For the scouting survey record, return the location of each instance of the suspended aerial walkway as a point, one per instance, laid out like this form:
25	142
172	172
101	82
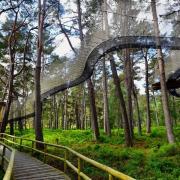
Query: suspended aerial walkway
79	70
22	166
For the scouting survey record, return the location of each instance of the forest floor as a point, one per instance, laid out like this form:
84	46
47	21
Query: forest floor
150	158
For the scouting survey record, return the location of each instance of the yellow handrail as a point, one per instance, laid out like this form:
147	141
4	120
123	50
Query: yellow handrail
9	171
111	172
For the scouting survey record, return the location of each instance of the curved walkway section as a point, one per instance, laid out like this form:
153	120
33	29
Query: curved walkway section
117	43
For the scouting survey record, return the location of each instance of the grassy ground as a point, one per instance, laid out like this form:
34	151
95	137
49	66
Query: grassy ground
150	158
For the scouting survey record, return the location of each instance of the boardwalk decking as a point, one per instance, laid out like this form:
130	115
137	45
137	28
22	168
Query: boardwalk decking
27	167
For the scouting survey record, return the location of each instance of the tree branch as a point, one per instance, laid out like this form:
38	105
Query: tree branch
64	31
25	51
170	13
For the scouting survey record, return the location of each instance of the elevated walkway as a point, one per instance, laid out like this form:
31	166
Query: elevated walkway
22	166
29	168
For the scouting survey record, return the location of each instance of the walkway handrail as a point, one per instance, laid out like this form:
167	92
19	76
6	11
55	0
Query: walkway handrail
78	170
9	170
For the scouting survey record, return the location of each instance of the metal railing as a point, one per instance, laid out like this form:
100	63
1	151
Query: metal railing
18	141
4	157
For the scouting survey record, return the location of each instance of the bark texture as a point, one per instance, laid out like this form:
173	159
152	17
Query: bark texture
164	95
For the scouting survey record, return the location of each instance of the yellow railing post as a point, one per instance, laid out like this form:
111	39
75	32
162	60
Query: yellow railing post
65	158
110	177
79	168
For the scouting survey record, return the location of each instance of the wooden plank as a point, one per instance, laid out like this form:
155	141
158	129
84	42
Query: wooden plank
29	168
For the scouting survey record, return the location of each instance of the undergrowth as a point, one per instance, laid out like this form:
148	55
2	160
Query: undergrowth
150	158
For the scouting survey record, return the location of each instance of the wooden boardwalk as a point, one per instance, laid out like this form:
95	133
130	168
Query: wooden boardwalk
24	167
29	168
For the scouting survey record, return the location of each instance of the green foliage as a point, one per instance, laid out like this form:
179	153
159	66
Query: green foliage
150	158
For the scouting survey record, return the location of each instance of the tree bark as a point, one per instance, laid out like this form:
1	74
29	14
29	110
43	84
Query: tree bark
65	109
62	112
77	114
94	121
107	128
148	119
128	138
128	84
38	105
89	82
11	46
9	99
156	113
83	108
164	95
138	111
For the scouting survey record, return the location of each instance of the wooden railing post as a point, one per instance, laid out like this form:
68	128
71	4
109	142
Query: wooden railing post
2	137
79	168
3	155
65	158
110	177
32	147
20	144
13	139
45	151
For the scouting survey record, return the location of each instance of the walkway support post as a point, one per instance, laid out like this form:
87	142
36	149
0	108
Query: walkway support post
79	168
32	147
20	144
45	151
65	158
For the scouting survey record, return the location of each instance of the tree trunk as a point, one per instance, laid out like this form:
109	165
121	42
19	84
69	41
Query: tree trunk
65	109
94	121
148	120
155	104
79	20
128	138
20	123
83	108
77	114
89	82
107	128
164	95
138	111
38	105
55	109
62	113
9	99
11	46
128	83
